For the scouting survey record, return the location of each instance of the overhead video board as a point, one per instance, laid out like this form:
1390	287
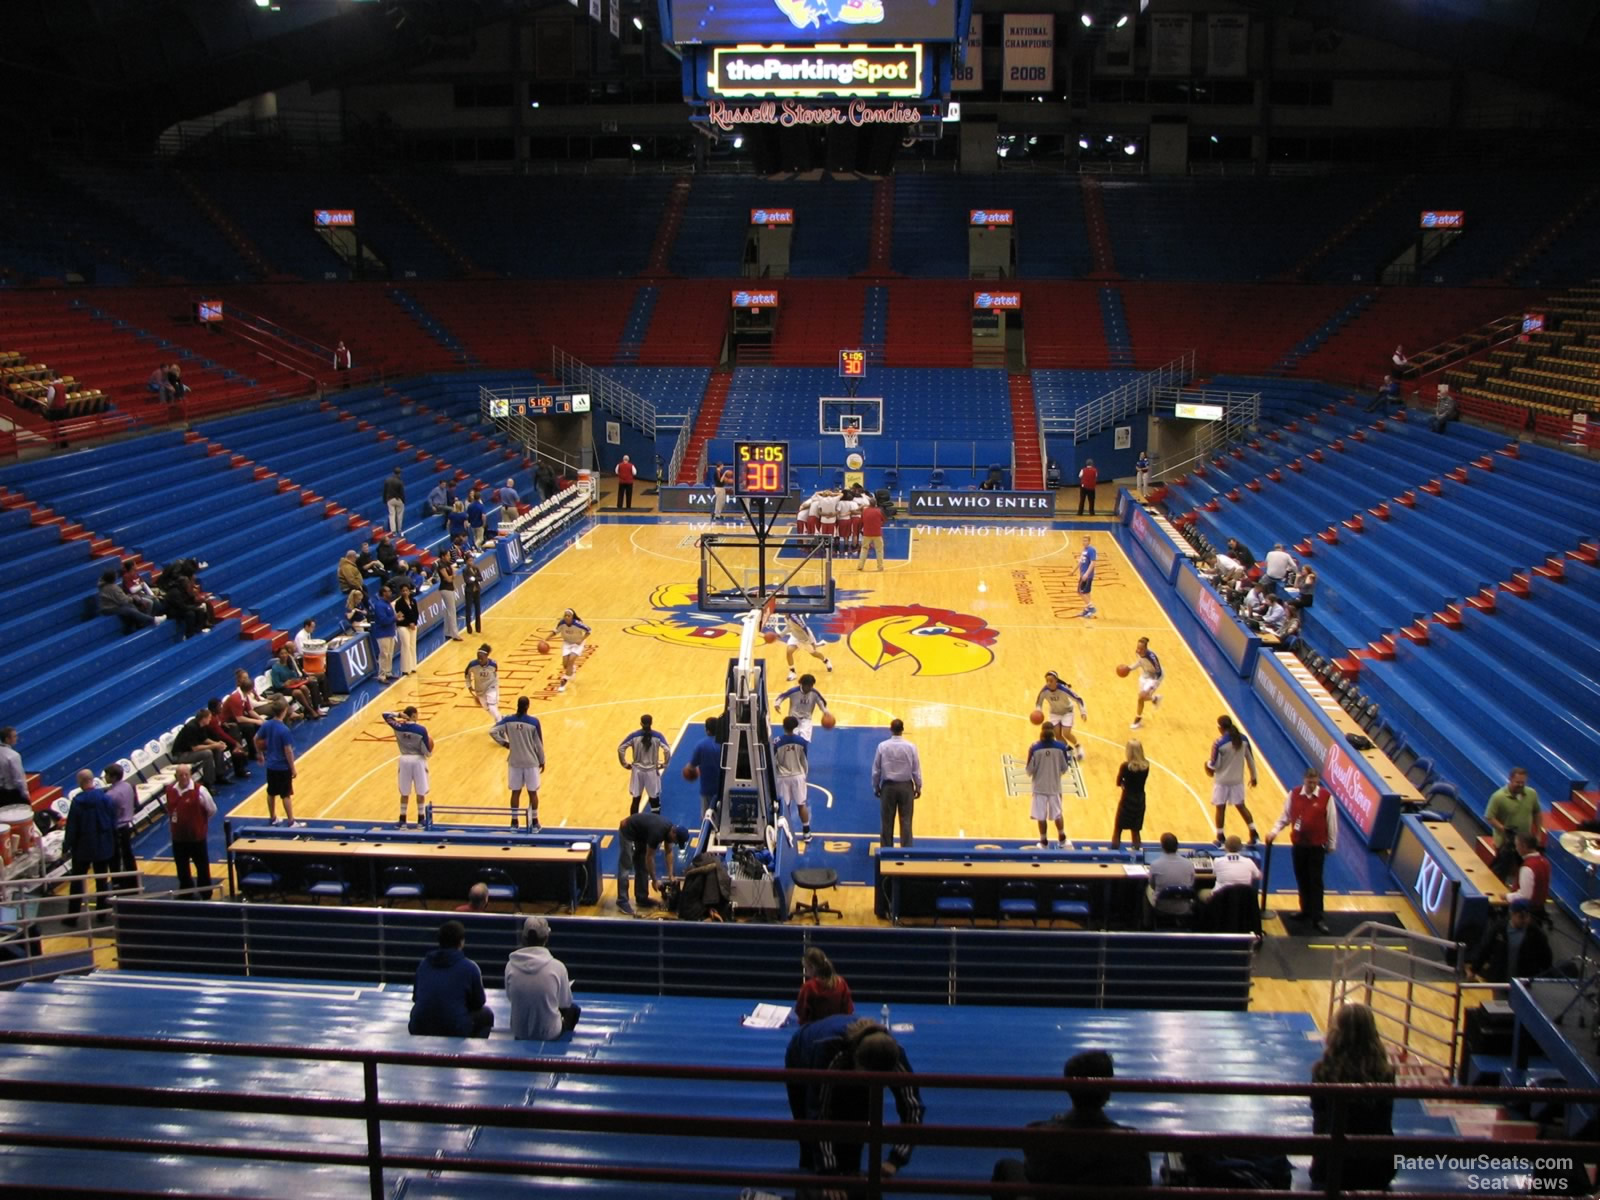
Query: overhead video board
797	21
867	71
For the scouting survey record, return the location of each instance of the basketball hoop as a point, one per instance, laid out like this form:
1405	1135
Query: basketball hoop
852	438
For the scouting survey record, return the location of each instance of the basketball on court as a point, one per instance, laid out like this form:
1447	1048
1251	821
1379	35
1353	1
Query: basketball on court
1122	670
691	772
771	635
829	720
1037	716
544	647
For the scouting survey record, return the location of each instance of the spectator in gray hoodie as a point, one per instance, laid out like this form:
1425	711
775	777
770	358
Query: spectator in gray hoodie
538	988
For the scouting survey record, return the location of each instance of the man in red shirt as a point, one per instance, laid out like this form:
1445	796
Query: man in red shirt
1533	876
871	534
1314	832
625	477
189	812
1088	480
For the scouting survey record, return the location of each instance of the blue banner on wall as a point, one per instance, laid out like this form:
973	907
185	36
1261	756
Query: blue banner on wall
1358	789
1231	635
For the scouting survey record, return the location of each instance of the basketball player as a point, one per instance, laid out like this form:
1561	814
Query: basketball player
804	702
803	515
850	522
523	737
644	752
1086	564
1150	677
1055	700
791	757
798	634
1047	763
827	515
1230	755
415	747
483	681
573	633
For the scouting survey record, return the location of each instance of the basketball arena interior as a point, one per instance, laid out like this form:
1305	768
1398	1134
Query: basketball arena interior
816	456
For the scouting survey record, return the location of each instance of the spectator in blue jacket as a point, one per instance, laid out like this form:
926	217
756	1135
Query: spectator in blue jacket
475	517
89	842
455	521
448	1000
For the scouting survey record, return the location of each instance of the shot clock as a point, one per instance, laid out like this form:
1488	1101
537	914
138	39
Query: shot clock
761	469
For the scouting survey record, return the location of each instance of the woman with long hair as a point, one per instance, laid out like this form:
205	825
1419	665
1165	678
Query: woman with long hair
1354	1053
824	992
1131	778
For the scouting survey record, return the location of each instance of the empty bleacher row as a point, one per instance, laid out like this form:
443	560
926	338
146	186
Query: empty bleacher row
547	1107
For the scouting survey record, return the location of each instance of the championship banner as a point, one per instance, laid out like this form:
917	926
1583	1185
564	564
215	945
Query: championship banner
597	10
1029	52
1171	43
969	76
1228	44
614	14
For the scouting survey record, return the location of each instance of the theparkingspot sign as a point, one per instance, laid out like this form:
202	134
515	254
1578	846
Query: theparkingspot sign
873	71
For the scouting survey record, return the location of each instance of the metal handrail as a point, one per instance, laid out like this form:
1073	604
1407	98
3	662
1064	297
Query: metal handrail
1134	396
1241	415
1365	959
614	397
525	431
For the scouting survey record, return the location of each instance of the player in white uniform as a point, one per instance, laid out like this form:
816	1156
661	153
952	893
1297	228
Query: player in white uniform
791	759
826	509
1150	676
797	634
483	681
1055	700
1230	755
644	752
524	738
804	703
573	634
1047	763
415	746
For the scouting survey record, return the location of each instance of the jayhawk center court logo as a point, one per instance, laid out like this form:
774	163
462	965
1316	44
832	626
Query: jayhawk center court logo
913	637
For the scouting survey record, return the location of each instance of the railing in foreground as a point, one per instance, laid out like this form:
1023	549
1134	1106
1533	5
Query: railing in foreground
366	1107
1412	994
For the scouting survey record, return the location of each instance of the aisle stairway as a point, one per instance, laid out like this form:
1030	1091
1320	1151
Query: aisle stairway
706	421
1029	473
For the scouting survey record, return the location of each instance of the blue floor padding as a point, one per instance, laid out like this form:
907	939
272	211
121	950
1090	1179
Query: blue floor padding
1260	1047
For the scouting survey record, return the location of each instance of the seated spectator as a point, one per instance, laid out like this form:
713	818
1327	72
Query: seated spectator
436	505
139	590
991	482
1304	590
115	602
824	992
158	386
368	562
1289	632
1354	1053
1388	394
846	1043
1170	870
1279	565
1226	568
448	999
1255	601
306	633
1232	868
477	899
1087	1163
1240	553
287	679
350	576
175	382
1445	410
196	745
358	609
537	987
388	557
240	748
239	707
1512	948
1273	620
180	599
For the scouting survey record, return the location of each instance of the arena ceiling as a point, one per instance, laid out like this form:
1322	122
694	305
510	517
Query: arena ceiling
130	68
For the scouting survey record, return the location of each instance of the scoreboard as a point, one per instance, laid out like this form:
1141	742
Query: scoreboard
761	470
